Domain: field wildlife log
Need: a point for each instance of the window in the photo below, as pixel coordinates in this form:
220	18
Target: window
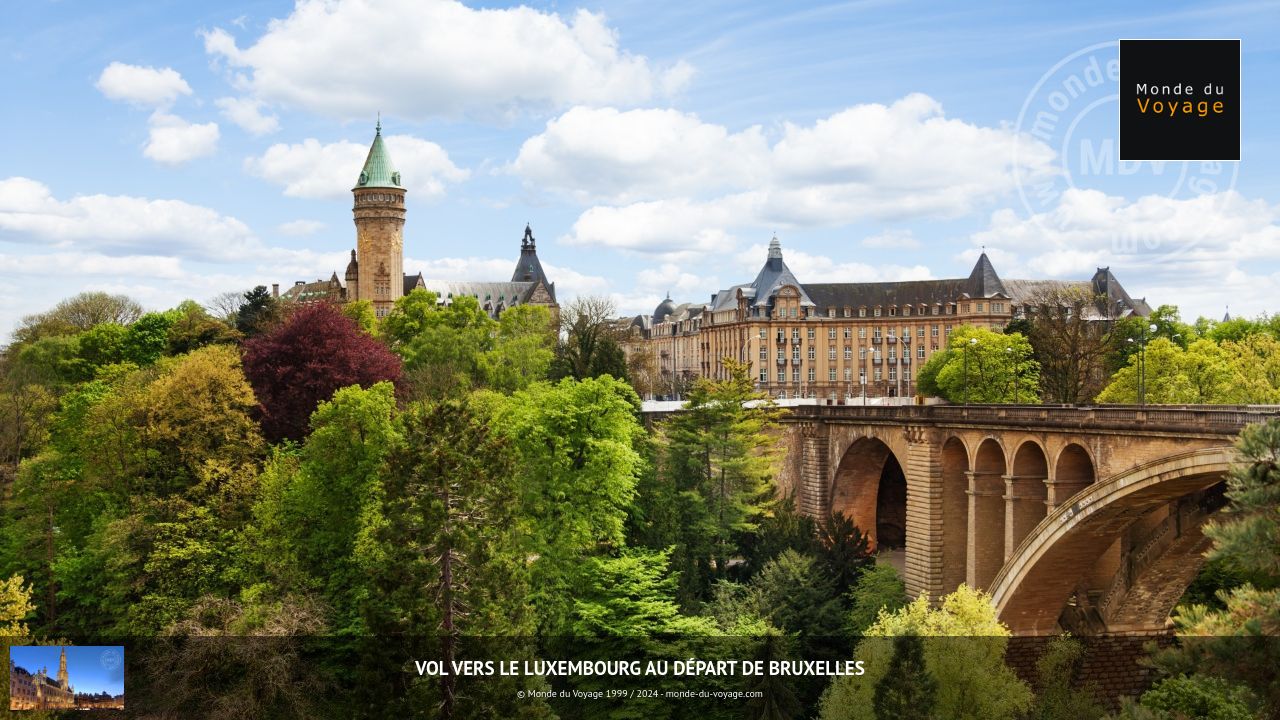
979	307
811	331
848	353
862	333
848	372
831	312
795	353
879	375
877	312
812	375
920	351
782	376
862	312
848	333
997	307
764	334
831	375
920	331
893	374
948	332
875	334
764	353
795	375
966	308
764	375
862	376
933	331
831	353
846	312
862	353
934	348
906	375
831	333
906	310
893	310
893	354
795	334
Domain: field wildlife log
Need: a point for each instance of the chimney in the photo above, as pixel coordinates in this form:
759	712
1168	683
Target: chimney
275	289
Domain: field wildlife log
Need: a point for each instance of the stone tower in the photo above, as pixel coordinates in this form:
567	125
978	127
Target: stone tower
64	682
378	265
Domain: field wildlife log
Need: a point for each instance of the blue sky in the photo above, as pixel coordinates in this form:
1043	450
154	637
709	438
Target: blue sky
90	668
170	150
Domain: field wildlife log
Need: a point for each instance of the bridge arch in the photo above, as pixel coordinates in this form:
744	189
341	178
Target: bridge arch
986	512
1033	587
870	487
955	512
1073	470
1027	493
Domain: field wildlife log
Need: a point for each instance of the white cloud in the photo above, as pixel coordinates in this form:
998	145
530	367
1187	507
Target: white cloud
118	224
665	179
892	240
1197	252
142	85
810	268
619	157
313	170
300	227
174	141
96	264
674	279
347	58
248	114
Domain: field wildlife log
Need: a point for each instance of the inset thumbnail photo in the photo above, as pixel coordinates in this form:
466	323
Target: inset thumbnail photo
49	677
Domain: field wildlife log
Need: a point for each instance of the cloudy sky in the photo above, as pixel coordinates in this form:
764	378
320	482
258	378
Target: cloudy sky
175	150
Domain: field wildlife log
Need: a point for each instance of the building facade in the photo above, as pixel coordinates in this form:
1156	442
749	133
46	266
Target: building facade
835	340
376	270
39	691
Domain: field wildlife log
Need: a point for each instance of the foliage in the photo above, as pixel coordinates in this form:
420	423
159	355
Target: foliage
720	459
994	368
76	314
361	311
781	527
878	589
15	606
1199	698
300	363
1055	698
590	348
1070	342
964	647
258	311
793	593
1245	371
907	689
147	338
522	349
192	328
631	595
844	552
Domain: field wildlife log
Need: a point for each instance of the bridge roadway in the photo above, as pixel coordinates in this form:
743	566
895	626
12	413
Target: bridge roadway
1078	518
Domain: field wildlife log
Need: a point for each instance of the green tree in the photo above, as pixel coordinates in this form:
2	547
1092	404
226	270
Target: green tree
907	689
15	606
1055	698
522	349
878	589
101	345
257	311
1255	367
193	327
796	595
574	477
983	366
631	595
361	311
147	338
964	646
720	458
590	347
442	345
1197	698
844	551
78	313
1166	377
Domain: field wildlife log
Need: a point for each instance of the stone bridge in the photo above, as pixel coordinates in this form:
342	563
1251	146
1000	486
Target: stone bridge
1079	518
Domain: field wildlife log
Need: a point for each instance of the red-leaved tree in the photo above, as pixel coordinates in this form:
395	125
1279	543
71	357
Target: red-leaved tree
301	362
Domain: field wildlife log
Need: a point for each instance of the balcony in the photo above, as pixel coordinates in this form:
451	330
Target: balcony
906	339
782	339
875	361
892	339
906	359
893	360
875	340
782	360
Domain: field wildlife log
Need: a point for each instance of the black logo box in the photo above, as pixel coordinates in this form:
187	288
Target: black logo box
1160	77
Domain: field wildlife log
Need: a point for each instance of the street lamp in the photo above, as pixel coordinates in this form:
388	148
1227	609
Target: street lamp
1142	362
972	342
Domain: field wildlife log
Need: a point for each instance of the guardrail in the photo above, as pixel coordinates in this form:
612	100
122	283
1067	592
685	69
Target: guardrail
1211	418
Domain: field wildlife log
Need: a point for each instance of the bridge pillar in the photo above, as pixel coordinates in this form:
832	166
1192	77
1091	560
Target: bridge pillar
925	530
1058	492
814	498
1024	508
986	526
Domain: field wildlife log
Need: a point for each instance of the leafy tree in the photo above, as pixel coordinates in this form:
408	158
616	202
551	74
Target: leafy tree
780	528
193	327
631	595
361	311
993	368
101	345
256	312
78	313
575	476
1071	343
147	338
1166	379
1055	698
1194	698
907	689
964	646
590	348
522	349
442	345
52	362
720	458
844	551
15	606
794	594
878	589
300	363
1237	643
1255	367
777	699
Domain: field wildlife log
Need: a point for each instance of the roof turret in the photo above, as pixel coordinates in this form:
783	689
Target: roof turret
378	171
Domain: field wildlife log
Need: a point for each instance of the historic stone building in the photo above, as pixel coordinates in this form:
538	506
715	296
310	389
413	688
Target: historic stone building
39	691
376	270
836	340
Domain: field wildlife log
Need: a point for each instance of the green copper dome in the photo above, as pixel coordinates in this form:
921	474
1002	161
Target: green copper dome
378	171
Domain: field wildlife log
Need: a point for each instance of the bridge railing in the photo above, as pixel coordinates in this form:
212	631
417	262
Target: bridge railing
1210	418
